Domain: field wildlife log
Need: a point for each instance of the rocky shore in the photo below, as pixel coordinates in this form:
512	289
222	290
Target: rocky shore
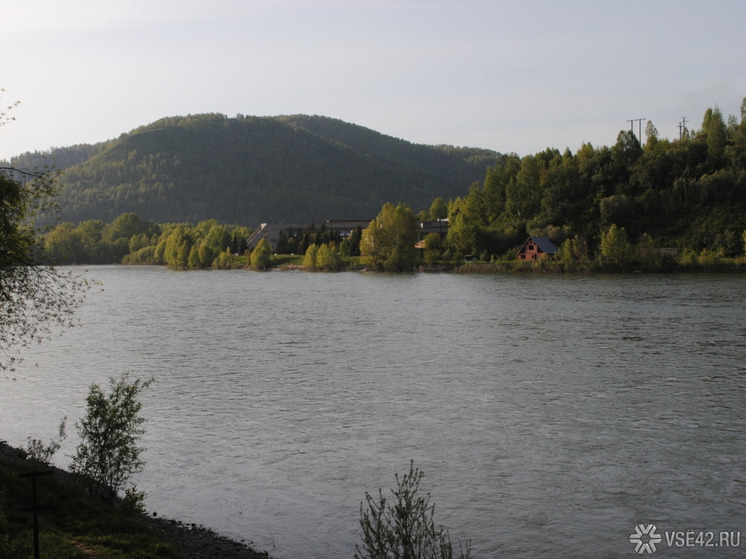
190	541
196	542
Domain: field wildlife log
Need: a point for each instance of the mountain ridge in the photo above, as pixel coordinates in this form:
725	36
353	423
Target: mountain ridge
248	169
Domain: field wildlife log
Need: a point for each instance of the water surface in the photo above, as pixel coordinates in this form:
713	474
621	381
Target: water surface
551	414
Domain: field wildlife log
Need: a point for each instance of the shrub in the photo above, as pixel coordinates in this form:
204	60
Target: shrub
404	528
261	256
108	453
40	452
309	261
328	258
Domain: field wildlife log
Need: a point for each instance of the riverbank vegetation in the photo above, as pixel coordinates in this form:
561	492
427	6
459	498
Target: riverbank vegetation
94	509
74	524
402	524
688	195
661	205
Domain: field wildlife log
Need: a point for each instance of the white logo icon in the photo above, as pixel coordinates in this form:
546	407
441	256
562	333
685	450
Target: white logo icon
645	538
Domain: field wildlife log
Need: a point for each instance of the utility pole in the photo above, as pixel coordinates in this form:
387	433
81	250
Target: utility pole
682	127
34	506
632	127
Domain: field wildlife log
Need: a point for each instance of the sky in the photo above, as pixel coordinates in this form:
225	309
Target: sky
513	76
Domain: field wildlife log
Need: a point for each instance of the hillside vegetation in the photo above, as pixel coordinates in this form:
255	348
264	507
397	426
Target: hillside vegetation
604	207
688	193
247	170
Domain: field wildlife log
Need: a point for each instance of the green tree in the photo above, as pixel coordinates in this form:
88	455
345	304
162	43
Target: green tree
523	197
438	209
465	223
573	249
432	244
205	254
261	256
354	241
627	149
193	261
496	182
64	245
33	297
121	230
616	250
138	241
108	453
309	260
645	249
651	136
404	528
224	260
178	246
328	258
388	242
714	129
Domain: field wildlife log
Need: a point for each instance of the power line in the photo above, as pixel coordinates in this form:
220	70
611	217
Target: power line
632	129
682	128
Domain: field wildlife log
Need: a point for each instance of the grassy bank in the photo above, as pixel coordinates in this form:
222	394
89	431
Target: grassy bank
723	265
691	264
73	525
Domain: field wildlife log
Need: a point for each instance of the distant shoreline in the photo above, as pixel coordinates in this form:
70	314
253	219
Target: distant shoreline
486	268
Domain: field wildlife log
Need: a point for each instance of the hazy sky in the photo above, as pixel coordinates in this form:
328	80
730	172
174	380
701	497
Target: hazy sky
518	75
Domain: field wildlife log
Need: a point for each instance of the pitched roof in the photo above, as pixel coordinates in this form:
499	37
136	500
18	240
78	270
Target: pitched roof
545	245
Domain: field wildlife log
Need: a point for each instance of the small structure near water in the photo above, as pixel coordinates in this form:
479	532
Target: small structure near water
537	247
272	231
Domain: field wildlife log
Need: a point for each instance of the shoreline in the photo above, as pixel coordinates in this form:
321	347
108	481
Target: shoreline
188	540
515	268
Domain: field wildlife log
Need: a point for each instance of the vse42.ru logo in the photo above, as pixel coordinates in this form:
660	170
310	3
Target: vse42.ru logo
646	538
707	538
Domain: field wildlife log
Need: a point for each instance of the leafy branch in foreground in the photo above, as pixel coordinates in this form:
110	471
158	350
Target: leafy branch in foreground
5	117
405	527
33	297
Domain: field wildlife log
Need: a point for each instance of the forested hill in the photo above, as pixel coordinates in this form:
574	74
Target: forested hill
246	170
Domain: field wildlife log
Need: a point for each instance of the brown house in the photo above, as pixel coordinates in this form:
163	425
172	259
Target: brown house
271	231
537	247
439	226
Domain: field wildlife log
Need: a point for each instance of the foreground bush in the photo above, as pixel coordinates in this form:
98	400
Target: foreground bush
404	528
108	453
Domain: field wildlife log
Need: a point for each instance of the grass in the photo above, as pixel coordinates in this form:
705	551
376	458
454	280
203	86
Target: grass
72	525
724	265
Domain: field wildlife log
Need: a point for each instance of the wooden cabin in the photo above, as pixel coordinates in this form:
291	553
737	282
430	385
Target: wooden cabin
537	247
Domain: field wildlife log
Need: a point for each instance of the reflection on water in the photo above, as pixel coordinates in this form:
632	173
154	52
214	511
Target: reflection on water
550	414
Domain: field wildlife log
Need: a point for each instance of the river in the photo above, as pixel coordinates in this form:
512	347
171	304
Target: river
551	414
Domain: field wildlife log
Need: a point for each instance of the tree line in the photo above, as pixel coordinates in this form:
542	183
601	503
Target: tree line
129	239
607	207
688	193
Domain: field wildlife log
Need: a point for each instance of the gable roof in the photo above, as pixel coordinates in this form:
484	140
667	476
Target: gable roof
545	245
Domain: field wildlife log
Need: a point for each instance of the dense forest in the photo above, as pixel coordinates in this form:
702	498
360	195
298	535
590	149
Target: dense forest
603	206
689	193
249	170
